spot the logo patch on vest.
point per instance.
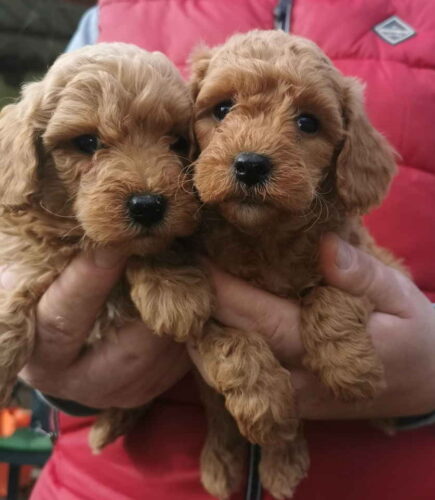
(393, 30)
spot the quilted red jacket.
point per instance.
(395, 56)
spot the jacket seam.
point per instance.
(379, 59)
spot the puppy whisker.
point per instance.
(318, 200)
(181, 184)
(53, 213)
(68, 233)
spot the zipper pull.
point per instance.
(281, 15)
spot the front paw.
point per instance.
(221, 469)
(175, 304)
(283, 467)
(339, 349)
(266, 414)
(111, 424)
(362, 378)
(181, 317)
(258, 391)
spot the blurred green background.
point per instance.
(32, 34)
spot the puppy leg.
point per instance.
(174, 301)
(111, 424)
(17, 328)
(224, 452)
(257, 389)
(282, 467)
(17, 332)
(337, 344)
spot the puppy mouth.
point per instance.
(246, 212)
(149, 234)
(247, 203)
(143, 233)
(248, 200)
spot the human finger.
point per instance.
(354, 271)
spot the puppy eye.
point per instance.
(180, 146)
(308, 124)
(221, 110)
(87, 143)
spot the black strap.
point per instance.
(282, 15)
(253, 488)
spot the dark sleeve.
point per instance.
(70, 407)
(413, 422)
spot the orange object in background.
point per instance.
(12, 419)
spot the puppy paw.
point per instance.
(98, 439)
(283, 468)
(222, 470)
(339, 349)
(359, 382)
(224, 452)
(265, 414)
(103, 432)
(111, 424)
(175, 303)
(258, 391)
(183, 316)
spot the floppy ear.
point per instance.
(365, 165)
(18, 149)
(199, 61)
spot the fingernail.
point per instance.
(344, 255)
(7, 279)
(107, 259)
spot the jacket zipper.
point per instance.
(282, 15)
(253, 488)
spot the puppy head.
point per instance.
(103, 143)
(274, 120)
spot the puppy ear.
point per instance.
(366, 164)
(18, 149)
(199, 61)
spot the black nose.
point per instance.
(251, 168)
(146, 209)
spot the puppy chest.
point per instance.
(285, 275)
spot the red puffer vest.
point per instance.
(350, 460)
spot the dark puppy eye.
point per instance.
(221, 110)
(180, 145)
(308, 124)
(87, 143)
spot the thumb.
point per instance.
(354, 271)
(68, 309)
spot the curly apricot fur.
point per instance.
(269, 233)
(57, 200)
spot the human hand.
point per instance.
(402, 328)
(123, 370)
